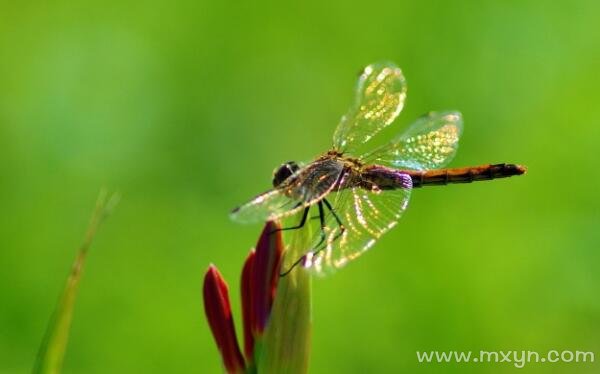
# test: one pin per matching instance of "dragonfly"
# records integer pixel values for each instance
(360, 196)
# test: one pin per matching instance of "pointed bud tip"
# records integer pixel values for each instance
(212, 268)
(218, 313)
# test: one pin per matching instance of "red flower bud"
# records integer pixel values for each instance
(266, 274)
(258, 287)
(218, 313)
(248, 297)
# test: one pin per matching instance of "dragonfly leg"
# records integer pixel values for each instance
(322, 218)
(298, 261)
(316, 249)
(323, 236)
(299, 226)
(339, 221)
(340, 225)
(321, 214)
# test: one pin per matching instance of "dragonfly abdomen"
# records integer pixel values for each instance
(390, 179)
(464, 175)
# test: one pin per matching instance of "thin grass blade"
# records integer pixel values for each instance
(52, 350)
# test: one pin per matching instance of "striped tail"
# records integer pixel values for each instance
(441, 177)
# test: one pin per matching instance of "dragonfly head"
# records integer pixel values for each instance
(283, 172)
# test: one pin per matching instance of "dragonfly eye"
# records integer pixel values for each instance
(284, 172)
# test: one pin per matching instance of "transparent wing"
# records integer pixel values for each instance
(300, 190)
(269, 205)
(430, 143)
(380, 95)
(365, 215)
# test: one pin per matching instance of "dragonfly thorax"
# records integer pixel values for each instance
(284, 172)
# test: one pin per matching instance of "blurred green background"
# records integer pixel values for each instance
(187, 107)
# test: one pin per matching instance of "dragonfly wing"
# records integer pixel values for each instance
(267, 206)
(379, 98)
(365, 216)
(429, 143)
(300, 190)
